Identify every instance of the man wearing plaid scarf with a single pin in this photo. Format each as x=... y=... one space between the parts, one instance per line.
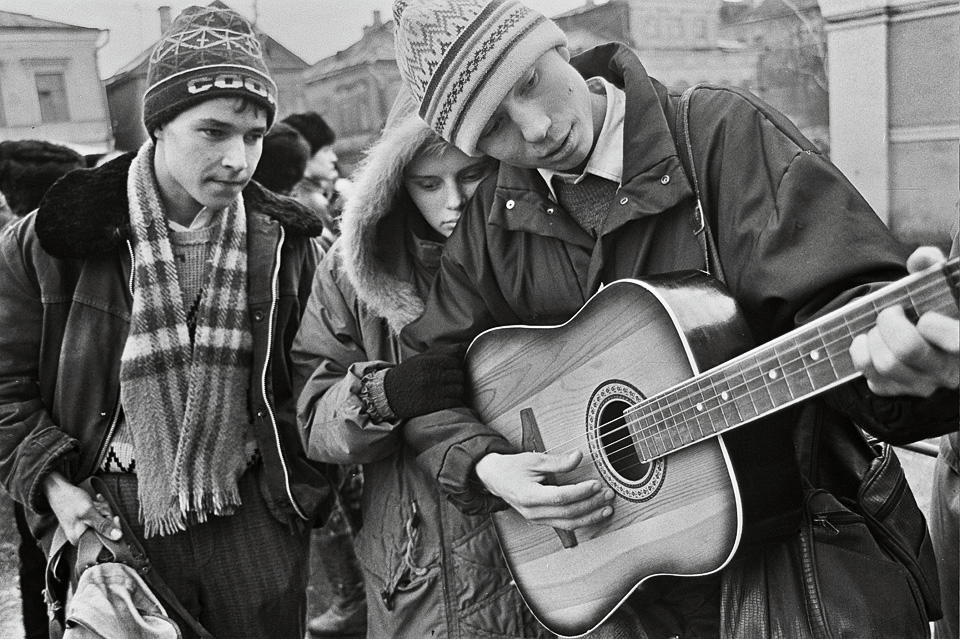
x=146 y=309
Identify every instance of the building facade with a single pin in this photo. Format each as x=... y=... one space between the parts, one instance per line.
x=894 y=72
x=354 y=89
x=49 y=85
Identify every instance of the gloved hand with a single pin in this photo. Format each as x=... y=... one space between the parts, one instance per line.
x=426 y=383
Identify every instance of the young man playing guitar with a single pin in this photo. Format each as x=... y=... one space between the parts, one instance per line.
x=592 y=189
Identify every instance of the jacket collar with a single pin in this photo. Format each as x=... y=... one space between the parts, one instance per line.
x=86 y=212
x=653 y=178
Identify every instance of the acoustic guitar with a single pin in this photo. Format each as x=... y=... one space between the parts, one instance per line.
x=622 y=382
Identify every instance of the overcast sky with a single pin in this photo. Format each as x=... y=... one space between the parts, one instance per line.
x=313 y=29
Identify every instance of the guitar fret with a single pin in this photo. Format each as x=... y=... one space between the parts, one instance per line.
x=741 y=395
x=757 y=388
x=699 y=408
x=793 y=373
x=820 y=366
x=669 y=421
x=659 y=445
x=689 y=417
x=640 y=426
x=776 y=383
x=836 y=342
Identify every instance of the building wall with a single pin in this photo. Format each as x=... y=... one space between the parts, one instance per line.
x=126 y=112
x=675 y=24
x=27 y=53
x=895 y=110
x=924 y=67
x=355 y=102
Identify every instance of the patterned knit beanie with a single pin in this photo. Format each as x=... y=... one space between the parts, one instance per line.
x=460 y=58
x=206 y=53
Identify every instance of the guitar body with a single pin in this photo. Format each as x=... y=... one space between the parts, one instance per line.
x=676 y=515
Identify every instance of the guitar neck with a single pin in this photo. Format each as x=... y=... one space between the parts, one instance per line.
x=790 y=369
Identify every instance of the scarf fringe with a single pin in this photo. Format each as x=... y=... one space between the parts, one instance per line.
x=194 y=508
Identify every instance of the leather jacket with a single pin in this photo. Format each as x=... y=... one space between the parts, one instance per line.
x=65 y=307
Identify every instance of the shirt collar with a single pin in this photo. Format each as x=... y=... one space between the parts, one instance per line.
x=606 y=161
x=202 y=220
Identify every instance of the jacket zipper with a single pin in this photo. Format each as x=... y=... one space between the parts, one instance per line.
x=274 y=297
x=115 y=419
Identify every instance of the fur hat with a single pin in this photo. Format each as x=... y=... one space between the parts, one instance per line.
x=314 y=128
x=28 y=168
x=206 y=53
x=459 y=58
x=284 y=159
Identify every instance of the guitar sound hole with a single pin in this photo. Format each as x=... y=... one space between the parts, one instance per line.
x=617 y=444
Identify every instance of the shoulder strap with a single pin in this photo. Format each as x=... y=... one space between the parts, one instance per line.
x=711 y=257
x=140 y=561
x=126 y=550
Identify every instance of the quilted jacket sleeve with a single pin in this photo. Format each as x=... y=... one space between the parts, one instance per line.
x=330 y=359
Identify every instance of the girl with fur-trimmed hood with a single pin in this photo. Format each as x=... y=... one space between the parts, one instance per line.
x=429 y=569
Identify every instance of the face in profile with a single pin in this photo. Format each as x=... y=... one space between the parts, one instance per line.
x=322 y=167
x=547 y=120
x=441 y=183
x=207 y=154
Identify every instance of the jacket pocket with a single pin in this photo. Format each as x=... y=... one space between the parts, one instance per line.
x=852 y=588
x=405 y=575
x=832 y=580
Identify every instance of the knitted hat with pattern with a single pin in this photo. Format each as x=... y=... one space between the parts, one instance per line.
x=460 y=58
x=206 y=53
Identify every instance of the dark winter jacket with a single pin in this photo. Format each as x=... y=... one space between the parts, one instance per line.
x=430 y=570
x=795 y=240
x=65 y=305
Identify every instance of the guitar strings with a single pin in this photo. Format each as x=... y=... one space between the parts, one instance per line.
x=819 y=341
x=659 y=430
x=629 y=439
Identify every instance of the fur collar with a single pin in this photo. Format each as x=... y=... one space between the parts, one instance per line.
x=86 y=212
x=373 y=229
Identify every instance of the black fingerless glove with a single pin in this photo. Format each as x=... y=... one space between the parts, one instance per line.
x=426 y=383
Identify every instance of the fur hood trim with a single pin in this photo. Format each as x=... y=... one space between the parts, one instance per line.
x=86 y=212
x=373 y=232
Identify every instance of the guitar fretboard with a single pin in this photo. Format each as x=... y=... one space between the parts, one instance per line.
x=794 y=367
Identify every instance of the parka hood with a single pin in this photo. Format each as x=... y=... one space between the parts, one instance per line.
x=374 y=227
x=86 y=212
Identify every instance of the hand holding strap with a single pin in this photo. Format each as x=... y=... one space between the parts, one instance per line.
x=91 y=548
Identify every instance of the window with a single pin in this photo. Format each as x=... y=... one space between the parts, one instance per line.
x=52 y=94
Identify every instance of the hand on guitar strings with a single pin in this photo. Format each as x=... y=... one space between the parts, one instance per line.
x=900 y=357
x=522 y=480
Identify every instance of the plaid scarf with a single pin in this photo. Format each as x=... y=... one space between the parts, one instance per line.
x=186 y=405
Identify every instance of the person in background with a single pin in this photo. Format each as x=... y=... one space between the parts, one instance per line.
x=28 y=168
x=6 y=213
x=284 y=159
x=322 y=187
x=945 y=517
x=146 y=311
x=592 y=189
x=430 y=570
